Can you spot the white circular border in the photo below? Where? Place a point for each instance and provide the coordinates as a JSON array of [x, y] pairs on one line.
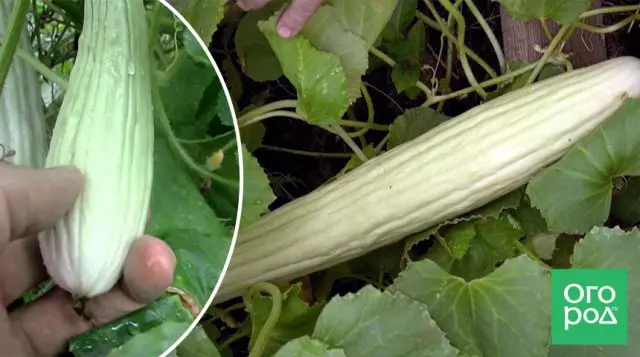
[[241, 193]]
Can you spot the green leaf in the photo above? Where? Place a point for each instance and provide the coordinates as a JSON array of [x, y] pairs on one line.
[[197, 344], [405, 76], [562, 11], [181, 216], [492, 209], [100, 341], [153, 342], [224, 111], [297, 318], [259, 62], [326, 33], [626, 205], [413, 123], [503, 314], [203, 15], [366, 19], [258, 194], [490, 241], [373, 323], [182, 89], [401, 17], [308, 347], [574, 195], [610, 248], [193, 47], [252, 135], [318, 76]]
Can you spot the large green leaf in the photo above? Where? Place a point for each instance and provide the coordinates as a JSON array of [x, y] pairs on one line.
[[371, 323], [574, 195], [607, 248], [296, 319], [153, 342], [308, 347], [503, 314], [182, 88], [203, 15], [366, 19], [318, 76], [197, 344], [561, 11], [327, 33], [259, 62], [99, 342]]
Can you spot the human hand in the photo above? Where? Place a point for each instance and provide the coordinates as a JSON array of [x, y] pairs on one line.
[[32, 200], [294, 17]]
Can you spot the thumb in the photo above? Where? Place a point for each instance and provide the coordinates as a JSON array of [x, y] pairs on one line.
[[296, 16]]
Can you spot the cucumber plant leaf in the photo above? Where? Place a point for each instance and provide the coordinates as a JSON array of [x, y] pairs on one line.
[[100, 341], [366, 19], [626, 205], [372, 323], [610, 248], [475, 248], [297, 318], [257, 192], [413, 123], [400, 20], [327, 33], [561, 11], [258, 60], [574, 195], [152, 343], [308, 347], [318, 76], [505, 313], [203, 15], [408, 54], [197, 344]]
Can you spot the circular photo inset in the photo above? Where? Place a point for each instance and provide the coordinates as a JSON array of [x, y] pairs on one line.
[[120, 177]]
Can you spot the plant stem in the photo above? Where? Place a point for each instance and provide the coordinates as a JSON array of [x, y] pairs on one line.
[[370, 113], [12, 38], [388, 60], [328, 155], [177, 148], [559, 38], [545, 28], [272, 320], [435, 25], [463, 56], [282, 104], [40, 67], [607, 29], [206, 140], [492, 37], [609, 10], [345, 136], [488, 83]]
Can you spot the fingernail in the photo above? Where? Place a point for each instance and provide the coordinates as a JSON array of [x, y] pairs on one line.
[[284, 31]]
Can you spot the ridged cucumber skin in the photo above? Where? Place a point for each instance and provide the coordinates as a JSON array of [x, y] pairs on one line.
[[461, 165], [22, 125], [105, 128]]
